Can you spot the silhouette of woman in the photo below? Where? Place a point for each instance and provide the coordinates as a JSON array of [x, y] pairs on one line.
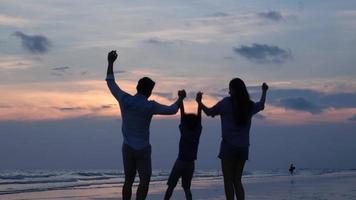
[[235, 112]]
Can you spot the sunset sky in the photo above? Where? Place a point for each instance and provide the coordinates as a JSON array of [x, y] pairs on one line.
[[53, 56]]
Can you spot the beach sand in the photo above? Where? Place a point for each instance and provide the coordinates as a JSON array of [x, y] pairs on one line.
[[301, 187]]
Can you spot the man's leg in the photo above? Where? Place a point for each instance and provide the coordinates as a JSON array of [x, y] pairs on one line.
[[227, 166], [130, 171], [144, 168]]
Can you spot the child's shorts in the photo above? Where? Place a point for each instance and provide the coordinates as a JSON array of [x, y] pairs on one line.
[[184, 169]]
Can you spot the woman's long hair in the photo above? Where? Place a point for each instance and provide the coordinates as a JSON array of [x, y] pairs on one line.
[[241, 103]]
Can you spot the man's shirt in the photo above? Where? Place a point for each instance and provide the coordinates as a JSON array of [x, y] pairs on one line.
[[137, 112]]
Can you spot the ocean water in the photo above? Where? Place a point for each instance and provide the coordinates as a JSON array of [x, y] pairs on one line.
[[21, 181]]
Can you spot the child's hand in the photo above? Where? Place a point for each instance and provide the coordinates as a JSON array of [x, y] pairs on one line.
[[199, 97], [264, 87], [182, 94], [112, 56]]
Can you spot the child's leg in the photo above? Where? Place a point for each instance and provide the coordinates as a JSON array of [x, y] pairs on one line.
[[169, 192], [172, 181], [188, 194], [187, 176]]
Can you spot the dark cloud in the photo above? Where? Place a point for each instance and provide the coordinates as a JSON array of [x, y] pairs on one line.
[[173, 96], [307, 100], [62, 69], [353, 118], [300, 104], [259, 116], [158, 42], [102, 107], [120, 71], [106, 106], [78, 108], [84, 73], [263, 53], [69, 109], [167, 95], [219, 14], [271, 15], [38, 44], [161, 42], [5, 106], [217, 95]]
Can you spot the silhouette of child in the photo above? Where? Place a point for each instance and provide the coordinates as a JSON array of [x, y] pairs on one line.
[[190, 130]]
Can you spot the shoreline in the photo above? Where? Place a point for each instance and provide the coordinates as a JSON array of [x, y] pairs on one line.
[[335, 185]]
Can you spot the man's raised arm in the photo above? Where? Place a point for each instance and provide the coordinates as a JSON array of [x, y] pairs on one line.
[[110, 78]]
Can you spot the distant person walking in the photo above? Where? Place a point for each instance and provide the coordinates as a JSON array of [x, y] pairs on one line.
[[235, 112], [190, 130], [291, 169], [137, 112]]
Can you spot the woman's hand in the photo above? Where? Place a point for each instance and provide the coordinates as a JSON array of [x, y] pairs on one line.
[[264, 87]]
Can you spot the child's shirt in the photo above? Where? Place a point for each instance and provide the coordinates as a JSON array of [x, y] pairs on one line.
[[189, 142]]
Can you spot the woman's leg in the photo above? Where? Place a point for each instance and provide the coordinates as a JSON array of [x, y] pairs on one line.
[[188, 194], [228, 169], [239, 189]]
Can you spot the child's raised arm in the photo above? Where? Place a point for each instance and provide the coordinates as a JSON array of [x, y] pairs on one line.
[[198, 99], [181, 106]]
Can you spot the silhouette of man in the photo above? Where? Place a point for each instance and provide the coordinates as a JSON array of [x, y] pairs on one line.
[[137, 112], [291, 169]]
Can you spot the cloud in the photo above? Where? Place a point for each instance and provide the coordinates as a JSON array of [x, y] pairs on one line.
[[353, 118], [107, 106], [37, 44], [102, 107], [263, 53], [271, 15], [259, 116], [158, 42], [84, 73], [69, 109], [11, 62], [219, 14], [300, 104], [323, 100], [2, 106], [312, 101], [167, 95], [120, 71], [6, 20], [62, 69]]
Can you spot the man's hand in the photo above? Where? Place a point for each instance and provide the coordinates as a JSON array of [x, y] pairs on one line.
[[264, 87], [112, 56], [199, 97], [182, 94]]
